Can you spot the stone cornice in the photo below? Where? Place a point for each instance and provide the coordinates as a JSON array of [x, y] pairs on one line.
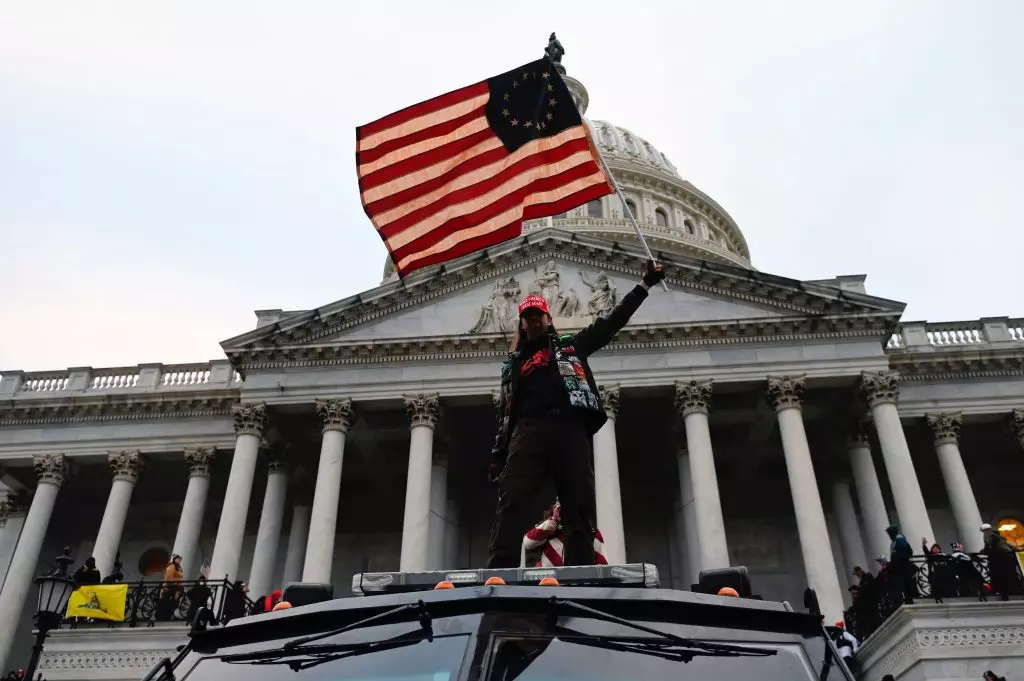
[[813, 303], [765, 331], [93, 409], [958, 364]]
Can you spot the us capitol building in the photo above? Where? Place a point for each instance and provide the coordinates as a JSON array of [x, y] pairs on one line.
[[754, 420]]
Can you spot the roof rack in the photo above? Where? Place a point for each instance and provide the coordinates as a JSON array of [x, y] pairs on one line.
[[640, 575]]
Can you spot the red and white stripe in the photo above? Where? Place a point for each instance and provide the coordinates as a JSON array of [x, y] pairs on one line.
[[438, 183], [553, 555]]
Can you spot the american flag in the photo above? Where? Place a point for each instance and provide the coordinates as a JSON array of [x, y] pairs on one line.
[[460, 172]]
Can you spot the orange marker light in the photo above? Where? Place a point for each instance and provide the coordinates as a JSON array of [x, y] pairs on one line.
[[549, 581], [728, 591], [444, 585], [283, 605], [494, 581]]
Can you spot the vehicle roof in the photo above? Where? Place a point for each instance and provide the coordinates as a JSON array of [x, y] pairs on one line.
[[628, 603]]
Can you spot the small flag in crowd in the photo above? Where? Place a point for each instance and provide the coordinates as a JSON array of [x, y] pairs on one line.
[[460, 172]]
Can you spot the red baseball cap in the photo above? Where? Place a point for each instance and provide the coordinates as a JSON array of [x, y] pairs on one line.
[[537, 302]]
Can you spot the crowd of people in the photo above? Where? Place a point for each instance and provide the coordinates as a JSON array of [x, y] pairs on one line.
[[900, 579]]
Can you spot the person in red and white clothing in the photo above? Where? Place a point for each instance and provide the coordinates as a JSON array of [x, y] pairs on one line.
[[549, 537]]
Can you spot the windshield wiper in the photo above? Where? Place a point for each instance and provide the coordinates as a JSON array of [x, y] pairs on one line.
[[304, 657], [680, 645], [663, 648], [298, 654]]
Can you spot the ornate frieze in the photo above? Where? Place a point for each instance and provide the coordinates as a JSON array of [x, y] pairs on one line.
[[199, 460], [880, 387], [786, 392], [423, 410], [945, 427], [52, 468], [693, 397], [125, 464], [250, 418], [336, 414], [610, 399]]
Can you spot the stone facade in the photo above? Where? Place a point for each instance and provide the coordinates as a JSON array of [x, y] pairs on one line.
[[737, 404]]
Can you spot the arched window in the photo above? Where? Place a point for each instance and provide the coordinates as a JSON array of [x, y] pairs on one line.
[[632, 209], [594, 209], [689, 227], [660, 217]]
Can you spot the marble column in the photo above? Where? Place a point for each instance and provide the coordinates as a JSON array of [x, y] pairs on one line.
[[250, 419], [190, 523], [51, 469], [12, 518], [423, 414], [687, 525], [298, 535], [268, 536], [608, 494], [849, 531], [438, 525], [693, 400], [785, 394], [126, 466], [946, 428], [336, 418], [451, 537], [882, 390], [874, 516]]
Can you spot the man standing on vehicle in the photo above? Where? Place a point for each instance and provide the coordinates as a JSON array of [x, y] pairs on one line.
[[549, 410]]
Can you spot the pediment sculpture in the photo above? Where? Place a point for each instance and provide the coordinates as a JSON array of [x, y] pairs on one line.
[[500, 314]]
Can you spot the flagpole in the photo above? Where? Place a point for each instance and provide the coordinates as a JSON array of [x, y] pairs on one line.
[[622, 198]]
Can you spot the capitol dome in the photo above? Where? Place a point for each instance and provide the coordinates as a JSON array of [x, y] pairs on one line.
[[674, 216]]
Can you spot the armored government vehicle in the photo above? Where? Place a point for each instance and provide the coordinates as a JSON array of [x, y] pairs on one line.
[[600, 622]]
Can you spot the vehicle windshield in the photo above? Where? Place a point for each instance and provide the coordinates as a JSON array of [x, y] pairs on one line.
[[425, 660], [538, 658]]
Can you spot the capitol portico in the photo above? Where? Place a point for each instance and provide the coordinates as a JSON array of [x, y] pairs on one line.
[[753, 420]]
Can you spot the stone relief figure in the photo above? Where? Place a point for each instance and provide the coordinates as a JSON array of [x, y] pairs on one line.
[[500, 314], [568, 304], [602, 295], [546, 283]]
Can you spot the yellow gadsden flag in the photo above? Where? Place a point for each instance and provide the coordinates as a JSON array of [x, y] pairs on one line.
[[99, 601]]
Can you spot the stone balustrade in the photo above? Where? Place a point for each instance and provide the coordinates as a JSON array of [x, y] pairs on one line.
[[989, 331], [610, 225], [144, 377]]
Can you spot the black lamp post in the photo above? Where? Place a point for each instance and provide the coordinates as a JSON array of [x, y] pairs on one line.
[[54, 591]]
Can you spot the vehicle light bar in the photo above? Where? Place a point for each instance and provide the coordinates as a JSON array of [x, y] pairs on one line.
[[642, 575]]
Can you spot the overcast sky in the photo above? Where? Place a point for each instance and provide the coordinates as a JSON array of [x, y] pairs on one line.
[[167, 168]]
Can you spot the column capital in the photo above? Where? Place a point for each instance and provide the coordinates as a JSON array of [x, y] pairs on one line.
[[786, 392], [880, 387], [945, 427], [858, 436], [693, 397], [610, 399], [278, 459], [125, 464], [423, 410], [198, 461], [335, 414], [6, 508], [51, 468], [250, 418]]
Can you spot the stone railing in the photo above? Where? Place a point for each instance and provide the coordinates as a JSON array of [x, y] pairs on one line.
[[141, 378], [623, 226], [989, 331]]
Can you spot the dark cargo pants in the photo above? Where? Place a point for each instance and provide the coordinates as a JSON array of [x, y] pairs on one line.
[[559, 446]]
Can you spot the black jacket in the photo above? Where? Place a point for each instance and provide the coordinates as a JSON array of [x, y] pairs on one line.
[[572, 348]]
